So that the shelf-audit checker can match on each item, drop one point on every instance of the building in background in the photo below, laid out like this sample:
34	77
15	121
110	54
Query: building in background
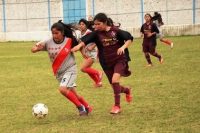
32	19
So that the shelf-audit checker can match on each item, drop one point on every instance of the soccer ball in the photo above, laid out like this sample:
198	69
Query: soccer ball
40	110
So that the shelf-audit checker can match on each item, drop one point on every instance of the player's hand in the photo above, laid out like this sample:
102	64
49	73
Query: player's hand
75	49
149	34
120	51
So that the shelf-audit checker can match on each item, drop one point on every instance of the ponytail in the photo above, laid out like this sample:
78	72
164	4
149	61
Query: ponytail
68	32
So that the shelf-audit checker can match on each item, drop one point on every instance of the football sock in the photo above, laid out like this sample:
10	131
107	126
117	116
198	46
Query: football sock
125	90
147	56
92	73
168	42
82	100
117	90
72	97
156	55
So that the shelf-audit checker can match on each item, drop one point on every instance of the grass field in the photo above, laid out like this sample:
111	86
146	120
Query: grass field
166	97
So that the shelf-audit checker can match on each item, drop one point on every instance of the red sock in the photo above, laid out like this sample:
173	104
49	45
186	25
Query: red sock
70	95
92	73
82	100
168	42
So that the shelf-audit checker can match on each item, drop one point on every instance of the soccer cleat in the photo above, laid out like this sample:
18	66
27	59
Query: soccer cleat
172	45
88	109
82	110
161	60
129	98
149	65
115	110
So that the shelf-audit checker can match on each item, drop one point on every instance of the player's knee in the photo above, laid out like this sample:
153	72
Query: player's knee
63	90
82	69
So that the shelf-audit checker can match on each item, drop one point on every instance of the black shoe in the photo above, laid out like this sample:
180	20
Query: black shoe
82	110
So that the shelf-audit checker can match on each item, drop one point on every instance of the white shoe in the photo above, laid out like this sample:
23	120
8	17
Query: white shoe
172	45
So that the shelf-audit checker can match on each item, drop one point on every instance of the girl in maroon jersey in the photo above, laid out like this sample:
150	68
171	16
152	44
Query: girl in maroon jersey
112	44
89	53
148	32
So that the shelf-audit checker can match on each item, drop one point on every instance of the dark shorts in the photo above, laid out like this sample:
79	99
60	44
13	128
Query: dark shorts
149	47
120	67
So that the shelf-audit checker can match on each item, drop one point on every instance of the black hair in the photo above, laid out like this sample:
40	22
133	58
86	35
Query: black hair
66	29
157	16
101	17
110	22
83	21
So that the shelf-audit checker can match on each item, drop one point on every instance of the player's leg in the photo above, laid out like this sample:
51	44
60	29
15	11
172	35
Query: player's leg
93	73
154	53
145	48
67	85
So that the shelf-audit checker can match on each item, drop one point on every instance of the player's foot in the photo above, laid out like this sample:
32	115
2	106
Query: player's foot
82	110
115	110
88	109
161	60
172	45
128	96
149	65
99	83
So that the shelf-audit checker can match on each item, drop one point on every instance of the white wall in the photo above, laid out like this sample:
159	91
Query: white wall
28	19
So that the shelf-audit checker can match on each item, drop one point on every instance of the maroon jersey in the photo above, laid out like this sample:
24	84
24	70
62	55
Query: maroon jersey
149	28
108	42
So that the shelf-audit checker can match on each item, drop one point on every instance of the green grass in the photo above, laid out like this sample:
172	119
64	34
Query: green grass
166	97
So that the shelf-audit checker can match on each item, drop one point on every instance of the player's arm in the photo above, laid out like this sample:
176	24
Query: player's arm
127	38
87	39
38	47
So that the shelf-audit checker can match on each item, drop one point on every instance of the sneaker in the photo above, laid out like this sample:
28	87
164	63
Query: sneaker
161	60
88	109
115	110
172	45
82	110
128	96
149	65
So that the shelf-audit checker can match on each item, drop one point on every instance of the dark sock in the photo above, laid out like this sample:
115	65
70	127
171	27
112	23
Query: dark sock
147	56
117	90
125	90
157	55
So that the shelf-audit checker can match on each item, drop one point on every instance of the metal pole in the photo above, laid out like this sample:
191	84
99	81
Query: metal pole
194	11
4	16
142	10
93	8
49	15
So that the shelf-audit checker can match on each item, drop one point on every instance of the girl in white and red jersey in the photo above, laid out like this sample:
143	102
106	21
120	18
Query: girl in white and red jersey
89	53
63	63
157	19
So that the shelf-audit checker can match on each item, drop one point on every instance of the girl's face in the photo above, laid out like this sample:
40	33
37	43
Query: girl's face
57	35
82	26
147	18
100	26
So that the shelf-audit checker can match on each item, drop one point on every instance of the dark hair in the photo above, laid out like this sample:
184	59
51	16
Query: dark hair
66	29
148	15
157	16
101	17
83	21
110	22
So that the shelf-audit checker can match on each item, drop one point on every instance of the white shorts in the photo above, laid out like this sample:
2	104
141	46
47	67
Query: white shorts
91	53
68	79
160	35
